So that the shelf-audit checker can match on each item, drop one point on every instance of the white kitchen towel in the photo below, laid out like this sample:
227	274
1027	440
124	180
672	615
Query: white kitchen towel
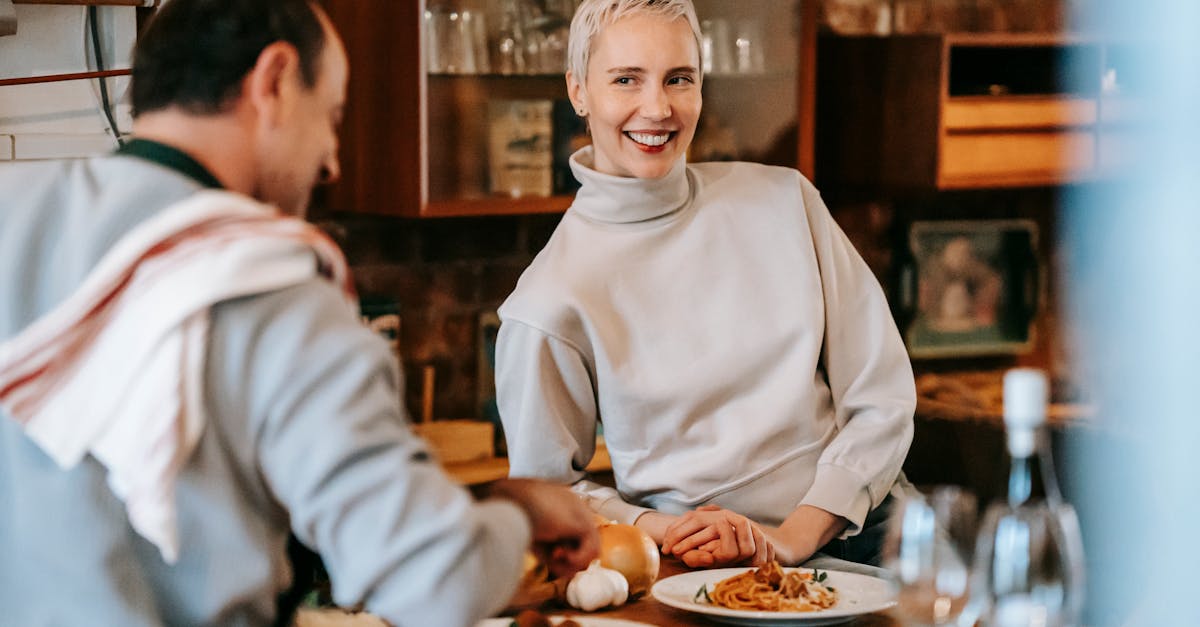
116	369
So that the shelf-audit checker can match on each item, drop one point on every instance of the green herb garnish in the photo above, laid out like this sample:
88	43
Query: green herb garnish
819	576
702	592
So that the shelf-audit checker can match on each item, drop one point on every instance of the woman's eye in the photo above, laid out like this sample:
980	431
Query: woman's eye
680	80
624	80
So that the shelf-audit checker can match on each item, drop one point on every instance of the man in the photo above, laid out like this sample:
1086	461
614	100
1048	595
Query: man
295	423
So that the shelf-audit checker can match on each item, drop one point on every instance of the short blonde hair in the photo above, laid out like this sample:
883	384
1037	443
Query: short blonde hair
593	15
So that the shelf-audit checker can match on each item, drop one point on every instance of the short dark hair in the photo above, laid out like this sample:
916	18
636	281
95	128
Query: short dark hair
193	54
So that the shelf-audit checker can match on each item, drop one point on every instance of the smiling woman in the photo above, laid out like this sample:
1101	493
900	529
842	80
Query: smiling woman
756	397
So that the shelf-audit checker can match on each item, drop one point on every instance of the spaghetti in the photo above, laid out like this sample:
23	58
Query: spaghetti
769	588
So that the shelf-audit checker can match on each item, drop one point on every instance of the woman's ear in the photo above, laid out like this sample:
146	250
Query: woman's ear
576	93
273	82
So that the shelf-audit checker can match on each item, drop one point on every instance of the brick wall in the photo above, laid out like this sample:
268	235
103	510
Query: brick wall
443	273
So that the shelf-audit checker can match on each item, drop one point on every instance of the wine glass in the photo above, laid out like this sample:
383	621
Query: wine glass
926	552
1025	573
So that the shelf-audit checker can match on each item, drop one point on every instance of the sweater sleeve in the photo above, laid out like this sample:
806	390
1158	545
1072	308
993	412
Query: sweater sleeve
547	403
333	447
869	376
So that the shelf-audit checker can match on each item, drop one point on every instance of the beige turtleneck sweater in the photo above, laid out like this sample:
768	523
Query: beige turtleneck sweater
736	348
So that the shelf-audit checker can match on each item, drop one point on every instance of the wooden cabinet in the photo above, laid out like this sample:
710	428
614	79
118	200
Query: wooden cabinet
415	142
961	111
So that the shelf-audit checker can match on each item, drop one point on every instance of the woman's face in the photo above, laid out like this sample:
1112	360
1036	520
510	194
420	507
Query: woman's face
642	95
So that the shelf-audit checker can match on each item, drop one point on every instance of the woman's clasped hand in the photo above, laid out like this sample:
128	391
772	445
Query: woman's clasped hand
712	536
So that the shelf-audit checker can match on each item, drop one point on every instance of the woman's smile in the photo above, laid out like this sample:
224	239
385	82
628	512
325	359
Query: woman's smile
650	141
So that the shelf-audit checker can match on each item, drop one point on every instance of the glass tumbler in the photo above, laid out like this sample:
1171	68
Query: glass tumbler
927	551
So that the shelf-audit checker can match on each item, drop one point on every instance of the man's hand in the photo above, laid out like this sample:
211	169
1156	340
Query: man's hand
564	534
711	536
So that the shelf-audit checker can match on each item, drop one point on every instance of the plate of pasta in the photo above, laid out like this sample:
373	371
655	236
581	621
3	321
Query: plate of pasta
773	596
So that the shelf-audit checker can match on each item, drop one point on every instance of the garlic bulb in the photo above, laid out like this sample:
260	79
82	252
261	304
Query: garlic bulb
597	587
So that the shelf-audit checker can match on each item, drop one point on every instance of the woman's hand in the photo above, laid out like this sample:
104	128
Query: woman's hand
711	536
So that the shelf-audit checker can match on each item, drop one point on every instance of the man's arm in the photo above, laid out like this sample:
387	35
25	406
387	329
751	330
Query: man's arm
333	447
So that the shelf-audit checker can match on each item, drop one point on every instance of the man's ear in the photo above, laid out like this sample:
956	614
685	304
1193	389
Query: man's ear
272	82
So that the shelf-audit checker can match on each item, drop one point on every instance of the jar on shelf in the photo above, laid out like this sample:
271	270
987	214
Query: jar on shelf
933	16
857	17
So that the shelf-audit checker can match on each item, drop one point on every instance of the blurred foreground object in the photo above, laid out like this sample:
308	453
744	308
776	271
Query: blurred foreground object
1132	254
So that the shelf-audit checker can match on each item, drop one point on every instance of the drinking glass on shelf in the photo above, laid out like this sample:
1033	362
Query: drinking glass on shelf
472	43
858	17
1023	571
510	40
927	551
716	47
555	25
535	47
437	25
749	42
451	37
910	16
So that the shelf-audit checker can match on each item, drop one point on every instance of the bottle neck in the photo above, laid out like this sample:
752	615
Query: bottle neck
1031	474
1020	482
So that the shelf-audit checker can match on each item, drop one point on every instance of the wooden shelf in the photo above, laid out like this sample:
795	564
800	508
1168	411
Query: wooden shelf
496	206
977	396
967	111
99	3
55	78
415	143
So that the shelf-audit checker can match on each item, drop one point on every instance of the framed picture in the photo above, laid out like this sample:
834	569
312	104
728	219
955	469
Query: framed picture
972	289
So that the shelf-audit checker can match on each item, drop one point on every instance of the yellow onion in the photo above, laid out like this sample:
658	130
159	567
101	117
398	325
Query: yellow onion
629	551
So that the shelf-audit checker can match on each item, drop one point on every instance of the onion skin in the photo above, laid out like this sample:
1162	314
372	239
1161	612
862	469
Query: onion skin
629	551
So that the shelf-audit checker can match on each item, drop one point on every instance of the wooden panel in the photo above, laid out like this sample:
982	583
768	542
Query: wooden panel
1013	158
914	73
496	206
55	78
878	110
1010	113
887	119
381	139
806	90
112	3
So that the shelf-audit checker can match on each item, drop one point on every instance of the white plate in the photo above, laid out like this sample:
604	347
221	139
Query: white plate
857	594
585	621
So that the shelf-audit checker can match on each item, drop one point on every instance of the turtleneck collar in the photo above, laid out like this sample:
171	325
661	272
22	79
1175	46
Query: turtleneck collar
620	199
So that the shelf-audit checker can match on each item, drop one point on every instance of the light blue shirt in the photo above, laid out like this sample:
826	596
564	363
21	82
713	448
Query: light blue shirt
305	432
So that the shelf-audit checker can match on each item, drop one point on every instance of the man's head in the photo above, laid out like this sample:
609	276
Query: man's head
257	83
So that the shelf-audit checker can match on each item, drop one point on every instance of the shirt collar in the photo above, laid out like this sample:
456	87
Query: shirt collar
623	199
170	157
